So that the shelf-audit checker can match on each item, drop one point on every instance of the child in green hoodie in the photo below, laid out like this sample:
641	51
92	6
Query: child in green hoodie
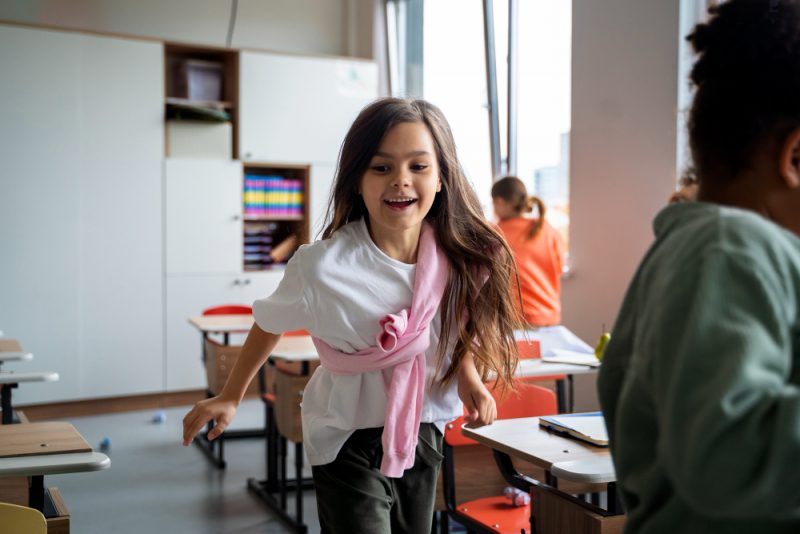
700	384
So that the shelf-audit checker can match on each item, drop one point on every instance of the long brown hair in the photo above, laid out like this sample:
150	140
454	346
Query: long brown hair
512	190
481	262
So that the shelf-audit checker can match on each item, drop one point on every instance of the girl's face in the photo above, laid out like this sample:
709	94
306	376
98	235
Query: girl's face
502	208
402	180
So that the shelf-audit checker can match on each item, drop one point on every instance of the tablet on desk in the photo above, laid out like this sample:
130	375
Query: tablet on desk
589	427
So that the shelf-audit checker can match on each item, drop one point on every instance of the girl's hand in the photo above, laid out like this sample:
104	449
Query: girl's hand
478	401
220	410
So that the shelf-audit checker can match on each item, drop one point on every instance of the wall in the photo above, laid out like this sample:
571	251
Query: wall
623	152
298	26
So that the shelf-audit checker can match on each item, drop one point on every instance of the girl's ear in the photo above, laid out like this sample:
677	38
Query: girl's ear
439	186
789	163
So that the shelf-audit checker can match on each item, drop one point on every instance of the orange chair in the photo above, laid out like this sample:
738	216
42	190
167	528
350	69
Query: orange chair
529	350
228	309
494	514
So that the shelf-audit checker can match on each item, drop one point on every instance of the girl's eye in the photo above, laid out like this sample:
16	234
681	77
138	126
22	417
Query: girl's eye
380	168
419	167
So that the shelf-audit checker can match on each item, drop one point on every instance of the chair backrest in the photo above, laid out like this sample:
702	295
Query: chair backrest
528	400
528	350
21	520
229	309
555	512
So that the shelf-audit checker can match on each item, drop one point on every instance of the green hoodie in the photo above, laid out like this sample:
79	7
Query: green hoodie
700	381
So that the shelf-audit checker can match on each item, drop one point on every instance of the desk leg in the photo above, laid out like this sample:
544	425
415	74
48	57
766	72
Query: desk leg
36	493
571	381
5	403
614	505
561	396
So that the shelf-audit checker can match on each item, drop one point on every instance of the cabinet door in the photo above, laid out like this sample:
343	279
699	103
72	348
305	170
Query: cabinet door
39	204
120	278
298	109
203	216
188	296
259	285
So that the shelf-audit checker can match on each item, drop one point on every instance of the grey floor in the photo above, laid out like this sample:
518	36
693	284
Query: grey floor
155	485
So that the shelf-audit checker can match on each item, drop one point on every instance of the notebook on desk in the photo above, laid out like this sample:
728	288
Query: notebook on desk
589	426
572	357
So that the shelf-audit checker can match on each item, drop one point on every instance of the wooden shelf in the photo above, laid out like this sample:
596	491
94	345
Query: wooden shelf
198	103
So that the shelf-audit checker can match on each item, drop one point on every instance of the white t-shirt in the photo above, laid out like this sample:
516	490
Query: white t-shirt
339	289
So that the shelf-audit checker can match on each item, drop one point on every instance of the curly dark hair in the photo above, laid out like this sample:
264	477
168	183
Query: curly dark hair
747	80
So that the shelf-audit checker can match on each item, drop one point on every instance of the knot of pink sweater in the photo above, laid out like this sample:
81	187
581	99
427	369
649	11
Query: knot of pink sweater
401	343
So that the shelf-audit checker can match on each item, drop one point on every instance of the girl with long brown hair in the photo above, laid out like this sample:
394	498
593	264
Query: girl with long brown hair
405	297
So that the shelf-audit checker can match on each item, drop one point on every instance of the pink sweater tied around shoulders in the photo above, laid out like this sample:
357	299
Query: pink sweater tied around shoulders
401	344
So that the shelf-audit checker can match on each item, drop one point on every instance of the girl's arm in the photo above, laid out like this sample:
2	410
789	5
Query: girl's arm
222	408
478	401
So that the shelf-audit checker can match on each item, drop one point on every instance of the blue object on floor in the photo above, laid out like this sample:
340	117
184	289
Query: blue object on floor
105	444
159	417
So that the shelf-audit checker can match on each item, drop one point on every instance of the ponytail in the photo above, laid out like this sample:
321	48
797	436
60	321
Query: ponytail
538	222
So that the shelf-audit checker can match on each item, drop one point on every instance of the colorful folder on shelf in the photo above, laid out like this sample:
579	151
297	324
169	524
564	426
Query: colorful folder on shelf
589	426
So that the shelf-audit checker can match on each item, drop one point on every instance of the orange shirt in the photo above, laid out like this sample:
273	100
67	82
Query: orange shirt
539	263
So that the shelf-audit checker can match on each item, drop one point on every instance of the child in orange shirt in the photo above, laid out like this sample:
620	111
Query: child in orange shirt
538	250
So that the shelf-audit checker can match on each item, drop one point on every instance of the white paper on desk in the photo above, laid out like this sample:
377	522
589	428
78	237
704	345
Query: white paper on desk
572	357
552	338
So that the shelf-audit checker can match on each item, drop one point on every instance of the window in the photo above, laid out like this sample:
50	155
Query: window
454	77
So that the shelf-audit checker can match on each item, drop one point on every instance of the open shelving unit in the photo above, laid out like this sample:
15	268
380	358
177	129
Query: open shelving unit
276	213
202	85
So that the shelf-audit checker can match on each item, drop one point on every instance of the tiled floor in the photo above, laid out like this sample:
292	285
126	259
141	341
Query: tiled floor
155	485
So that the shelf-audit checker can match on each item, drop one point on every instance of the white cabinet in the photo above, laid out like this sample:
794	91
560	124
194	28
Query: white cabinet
190	295
298	109
203	216
80	210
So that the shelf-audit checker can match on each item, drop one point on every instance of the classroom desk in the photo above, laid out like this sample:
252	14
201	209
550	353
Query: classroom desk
291	349
39	449
224	325
10	380
560	457
537	368
11	351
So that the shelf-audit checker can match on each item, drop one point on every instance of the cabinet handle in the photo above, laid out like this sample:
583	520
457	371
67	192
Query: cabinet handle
237	282
236	217
247	281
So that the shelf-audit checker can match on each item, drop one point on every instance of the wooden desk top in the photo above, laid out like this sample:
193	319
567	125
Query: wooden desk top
222	323
524	439
295	349
10	377
34	439
11	350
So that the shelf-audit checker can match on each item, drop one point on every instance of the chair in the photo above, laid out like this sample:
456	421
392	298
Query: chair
228	309
21	520
491	514
281	386
218	358
529	350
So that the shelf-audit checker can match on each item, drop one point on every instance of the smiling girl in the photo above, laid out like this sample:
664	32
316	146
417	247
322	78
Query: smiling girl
405	297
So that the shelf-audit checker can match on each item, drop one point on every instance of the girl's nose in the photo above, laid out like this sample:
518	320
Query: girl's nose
401	179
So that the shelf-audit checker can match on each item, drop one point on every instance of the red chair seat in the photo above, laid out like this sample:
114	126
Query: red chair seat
498	514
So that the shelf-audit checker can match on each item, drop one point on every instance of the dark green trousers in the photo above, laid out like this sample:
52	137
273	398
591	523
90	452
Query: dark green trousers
353	497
